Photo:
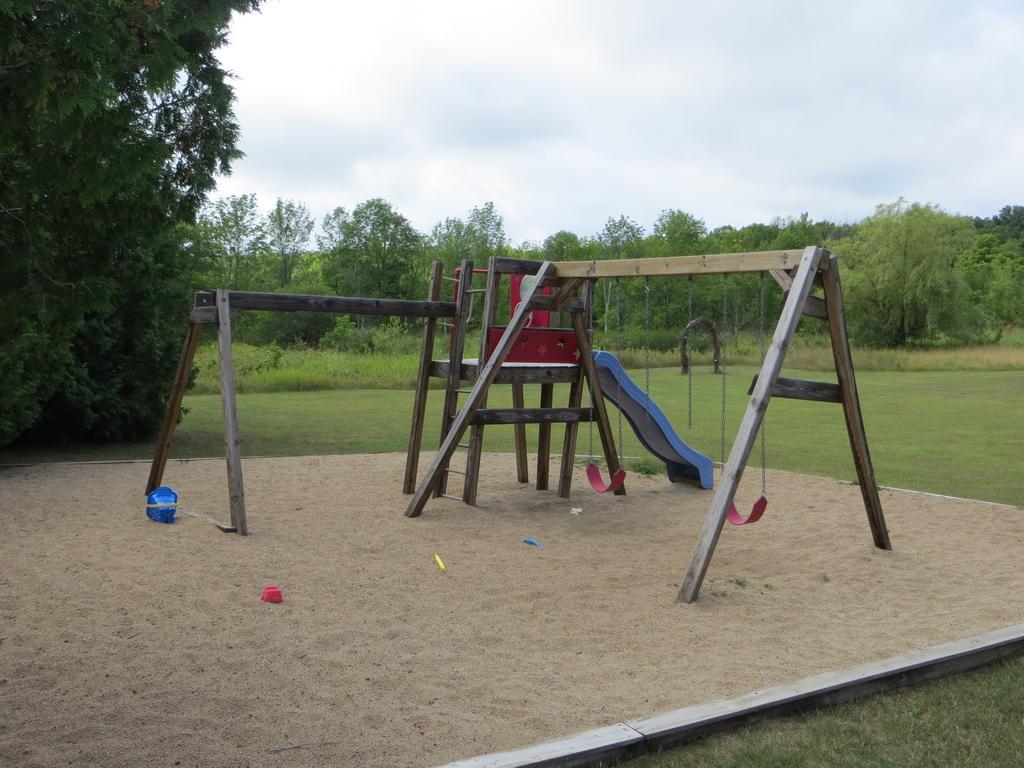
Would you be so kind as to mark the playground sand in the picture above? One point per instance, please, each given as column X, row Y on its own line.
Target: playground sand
column 126, row 643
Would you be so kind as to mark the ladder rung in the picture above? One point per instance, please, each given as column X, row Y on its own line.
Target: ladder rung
column 453, row 498
column 463, row 445
column 443, row 324
column 476, row 290
column 451, row 471
column 450, row 279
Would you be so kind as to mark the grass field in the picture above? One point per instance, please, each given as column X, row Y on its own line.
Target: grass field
column 957, row 432
column 953, row 432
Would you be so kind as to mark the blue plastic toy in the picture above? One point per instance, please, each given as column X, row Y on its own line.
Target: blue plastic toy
column 161, row 504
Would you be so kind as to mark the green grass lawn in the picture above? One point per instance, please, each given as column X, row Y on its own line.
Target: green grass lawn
column 953, row 432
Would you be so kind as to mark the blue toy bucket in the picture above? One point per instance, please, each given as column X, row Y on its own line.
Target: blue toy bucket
column 161, row 504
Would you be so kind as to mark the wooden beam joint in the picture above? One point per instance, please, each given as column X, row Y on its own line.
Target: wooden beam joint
column 801, row 389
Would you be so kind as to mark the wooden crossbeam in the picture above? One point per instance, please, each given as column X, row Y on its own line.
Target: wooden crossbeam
column 203, row 315
column 752, row 419
column 801, row 389
column 757, row 261
column 813, row 307
column 530, row 415
column 344, row 305
column 506, row 266
column 559, row 301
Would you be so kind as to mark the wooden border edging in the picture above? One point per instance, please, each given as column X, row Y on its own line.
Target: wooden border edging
column 681, row 726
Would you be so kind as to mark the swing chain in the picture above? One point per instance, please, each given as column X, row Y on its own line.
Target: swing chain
column 689, row 366
column 647, row 347
column 764, row 416
column 618, row 350
column 590, row 397
column 725, row 332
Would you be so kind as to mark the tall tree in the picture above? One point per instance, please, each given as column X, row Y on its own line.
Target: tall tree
column 384, row 249
column 622, row 238
column 236, row 229
column 114, row 119
column 289, row 227
column 487, row 230
column 452, row 240
column 902, row 287
column 682, row 233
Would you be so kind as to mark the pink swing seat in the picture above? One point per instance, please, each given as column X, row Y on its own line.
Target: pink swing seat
column 734, row 517
column 597, row 482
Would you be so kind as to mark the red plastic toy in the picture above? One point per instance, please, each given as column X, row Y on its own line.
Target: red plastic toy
column 271, row 594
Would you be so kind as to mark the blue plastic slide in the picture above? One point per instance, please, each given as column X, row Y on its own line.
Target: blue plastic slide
column 650, row 424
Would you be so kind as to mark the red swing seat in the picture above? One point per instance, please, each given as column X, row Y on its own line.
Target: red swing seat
column 597, row 482
column 734, row 517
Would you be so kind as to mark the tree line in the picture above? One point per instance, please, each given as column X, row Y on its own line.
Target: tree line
column 116, row 119
column 914, row 274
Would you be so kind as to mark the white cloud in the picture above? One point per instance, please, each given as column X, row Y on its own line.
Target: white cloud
column 566, row 113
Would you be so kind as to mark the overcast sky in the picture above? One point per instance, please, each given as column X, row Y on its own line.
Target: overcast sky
column 566, row 113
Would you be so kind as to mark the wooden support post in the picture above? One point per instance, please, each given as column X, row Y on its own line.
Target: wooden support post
column 163, row 442
column 476, row 433
column 752, row 418
column 519, row 435
column 547, row 392
column 604, row 427
column 569, row 441
column 485, row 377
column 456, row 349
column 575, row 399
column 232, row 442
column 851, row 403
column 419, row 407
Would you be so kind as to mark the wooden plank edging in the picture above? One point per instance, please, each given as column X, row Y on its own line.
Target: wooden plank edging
column 681, row 726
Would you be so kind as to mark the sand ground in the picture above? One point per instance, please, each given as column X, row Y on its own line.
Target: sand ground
column 129, row 643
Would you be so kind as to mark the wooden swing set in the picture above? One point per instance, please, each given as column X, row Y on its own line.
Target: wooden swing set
column 565, row 356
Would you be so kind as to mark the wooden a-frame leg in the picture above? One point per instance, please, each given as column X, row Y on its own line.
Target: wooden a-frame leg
column 485, row 377
column 599, row 411
column 419, row 407
column 232, row 442
column 851, row 403
column 163, row 442
column 771, row 366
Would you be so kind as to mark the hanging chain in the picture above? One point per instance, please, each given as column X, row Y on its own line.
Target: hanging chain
column 647, row 347
column 764, row 416
column 589, row 303
column 725, row 338
column 689, row 363
column 618, row 349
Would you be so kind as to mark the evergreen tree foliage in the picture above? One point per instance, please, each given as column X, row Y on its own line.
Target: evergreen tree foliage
column 114, row 118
